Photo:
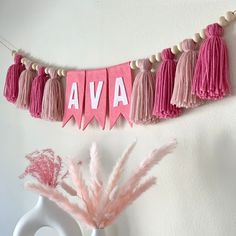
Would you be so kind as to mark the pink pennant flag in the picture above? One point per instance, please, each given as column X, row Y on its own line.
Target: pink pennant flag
column 75, row 82
column 120, row 87
column 95, row 97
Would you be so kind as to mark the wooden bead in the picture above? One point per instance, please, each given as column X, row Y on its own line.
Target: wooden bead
column 158, row 57
column 63, row 72
column 137, row 63
column 222, row 21
column 175, row 50
column 34, row 66
column 152, row 58
column 37, row 67
column 179, row 46
column 46, row 70
column 132, row 65
column 197, row 38
column 229, row 16
column 202, row 34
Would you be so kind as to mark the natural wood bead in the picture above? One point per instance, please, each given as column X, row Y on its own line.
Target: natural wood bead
column 229, row 16
column 132, row 65
column 202, row 34
column 137, row 63
column 152, row 59
column 175, row 50
column 34, row 66
column 222, row 21
column 63, row 72
column 158, row 57
column 179, row 46
column 197, row 38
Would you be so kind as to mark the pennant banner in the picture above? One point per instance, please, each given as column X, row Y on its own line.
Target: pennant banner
column 95, row 97
column 75, row 83
column 120, row 88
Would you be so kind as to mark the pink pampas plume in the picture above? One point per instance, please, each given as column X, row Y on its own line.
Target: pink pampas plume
column 143, row 93
column 182, row 94
column 211, row 74
column 36, row 95
column 53, row 98
column 12, row 79
column 62, row 201
column 25, row 83
column 165, row 77
column 113, row 198
column 45, row 166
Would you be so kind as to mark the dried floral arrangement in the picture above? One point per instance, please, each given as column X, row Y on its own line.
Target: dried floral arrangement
column 46, row 167
column 97, row 204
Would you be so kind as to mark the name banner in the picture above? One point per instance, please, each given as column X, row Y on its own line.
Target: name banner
column 93, row 94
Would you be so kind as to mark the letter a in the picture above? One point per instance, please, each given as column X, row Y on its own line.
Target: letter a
column 73, row 100
column 120, row 93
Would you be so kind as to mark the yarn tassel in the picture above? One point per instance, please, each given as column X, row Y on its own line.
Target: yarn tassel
column 211, row 73
column 12, row 78
column 36, row 95
column 25, row 84
column 182, row 94
column 142, row 98
column 165, row 76
column 53, row 99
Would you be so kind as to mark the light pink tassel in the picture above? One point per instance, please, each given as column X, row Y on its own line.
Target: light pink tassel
column 53, row 98
column 165, row 77
column 142, row 98
column 211, row 73
column 12, row 79
column 25, row 83
column 182, row 94
column 36, row 95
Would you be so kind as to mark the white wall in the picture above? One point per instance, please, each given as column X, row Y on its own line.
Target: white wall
column 196, row 191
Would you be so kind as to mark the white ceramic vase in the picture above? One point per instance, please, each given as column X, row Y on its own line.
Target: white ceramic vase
column 47, row 213
column 98, row 232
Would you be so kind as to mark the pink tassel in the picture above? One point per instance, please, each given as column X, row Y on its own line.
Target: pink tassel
column 53, row 100
column 211, row 73
column 182, row 93
column 164, row 87
column 142, row 98
column 36, row 95
column 25, row 83
column 12, row 78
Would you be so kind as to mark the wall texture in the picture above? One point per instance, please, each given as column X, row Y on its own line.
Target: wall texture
column 195, row 194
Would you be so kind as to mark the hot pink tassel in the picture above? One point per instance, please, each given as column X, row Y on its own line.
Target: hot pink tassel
column 182, row 94
column 165, row 76
column 142, row 98
column 53, row 100
column 12, row 78
column 211, row 73
column 36, row 95
column 25, row 83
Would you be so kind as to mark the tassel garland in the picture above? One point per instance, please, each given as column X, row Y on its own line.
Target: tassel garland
column 36, row 95
column 142, row 98
column 211, row 73
column 182, row 93
column 25, row 83
column 12, row 78
column 165, row 76
column 53, row 98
